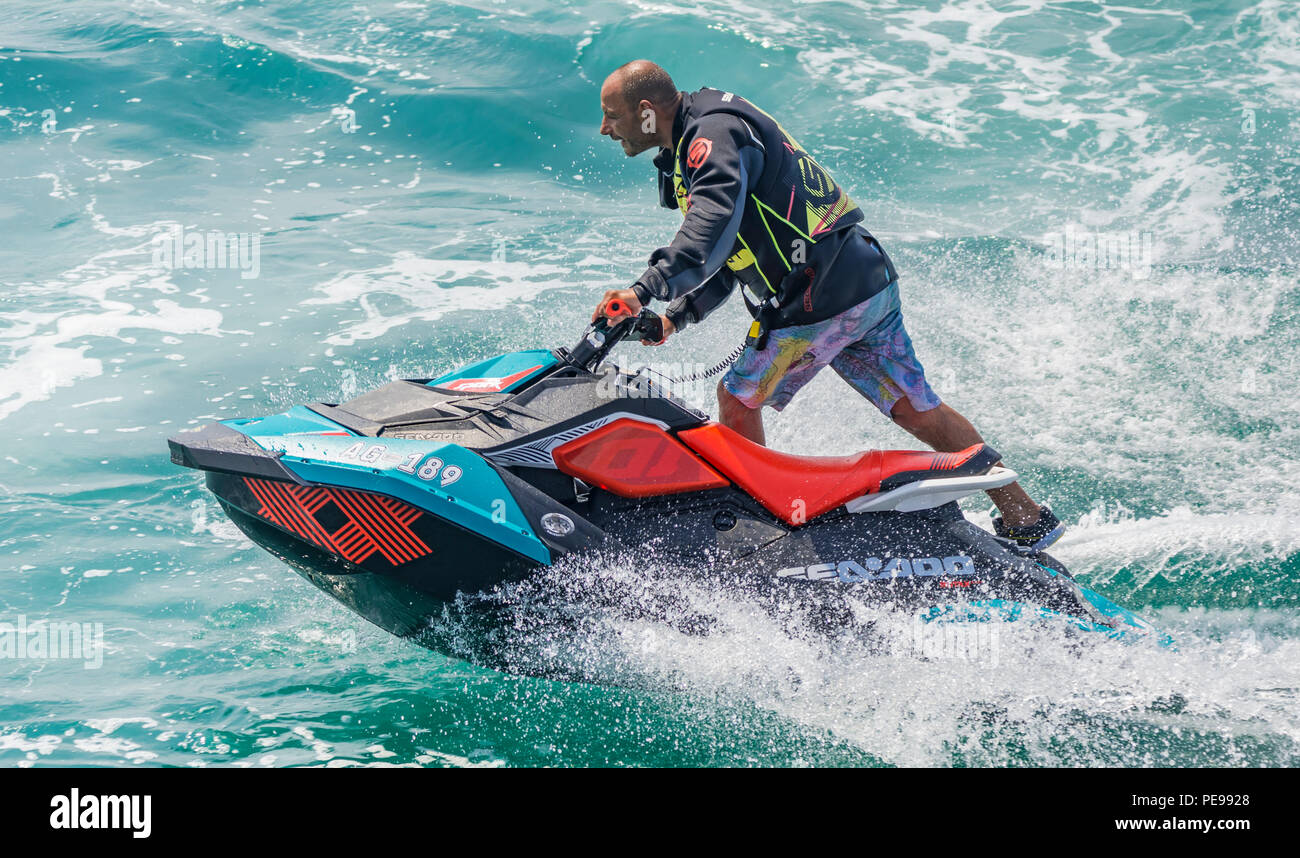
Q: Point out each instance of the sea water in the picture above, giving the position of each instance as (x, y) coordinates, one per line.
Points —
(219, 209)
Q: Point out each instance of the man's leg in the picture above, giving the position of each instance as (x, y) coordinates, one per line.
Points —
(736, 415)
(947, 431)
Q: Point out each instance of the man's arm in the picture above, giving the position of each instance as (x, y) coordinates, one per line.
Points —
(724, 162)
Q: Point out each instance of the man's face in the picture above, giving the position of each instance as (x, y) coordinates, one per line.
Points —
(623, 122)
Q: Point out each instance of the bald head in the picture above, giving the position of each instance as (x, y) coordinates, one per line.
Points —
(642, 80)
(639, 101)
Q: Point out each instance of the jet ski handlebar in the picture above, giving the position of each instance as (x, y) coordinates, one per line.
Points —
(602, 335)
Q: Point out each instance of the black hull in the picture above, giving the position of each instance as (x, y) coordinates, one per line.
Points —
(394, 605)
(754, 555)
(725, 530)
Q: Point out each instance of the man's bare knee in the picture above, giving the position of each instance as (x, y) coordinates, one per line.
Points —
(736, 415)
(728, 401)
(907, 417)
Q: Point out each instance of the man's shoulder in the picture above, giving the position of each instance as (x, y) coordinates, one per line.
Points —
(717, 122)
(722, 124)
(708, 93)
(713, 102)
(721, 106)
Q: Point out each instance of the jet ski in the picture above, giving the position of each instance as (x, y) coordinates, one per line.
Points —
(399, 500)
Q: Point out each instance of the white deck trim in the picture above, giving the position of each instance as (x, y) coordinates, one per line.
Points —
(926, 494)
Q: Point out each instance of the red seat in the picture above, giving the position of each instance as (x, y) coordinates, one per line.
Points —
(797, 489)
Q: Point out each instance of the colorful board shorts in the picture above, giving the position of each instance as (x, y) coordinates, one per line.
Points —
(866, 344)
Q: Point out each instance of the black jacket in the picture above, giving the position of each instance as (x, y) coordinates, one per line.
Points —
(758, 211)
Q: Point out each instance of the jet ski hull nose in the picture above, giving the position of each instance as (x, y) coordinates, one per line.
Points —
(343, 533)
(393, 528)
(389, 602)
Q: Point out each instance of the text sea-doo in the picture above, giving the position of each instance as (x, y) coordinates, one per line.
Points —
(398, 499)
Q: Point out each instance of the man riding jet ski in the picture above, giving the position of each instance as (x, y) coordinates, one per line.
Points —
(758, 211)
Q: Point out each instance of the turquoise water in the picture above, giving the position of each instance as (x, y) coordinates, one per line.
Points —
(428, 188)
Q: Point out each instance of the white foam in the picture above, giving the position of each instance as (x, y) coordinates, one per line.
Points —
(41, 359)
(1180, 542)
(1065, 698)
(43, 363)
